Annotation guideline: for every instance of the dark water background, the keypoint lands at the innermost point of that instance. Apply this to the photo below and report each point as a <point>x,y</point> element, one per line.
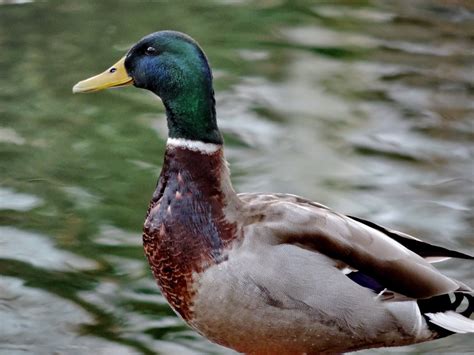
<point>365,106</point>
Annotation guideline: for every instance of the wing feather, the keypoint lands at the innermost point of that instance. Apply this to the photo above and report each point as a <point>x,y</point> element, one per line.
<point>420,247</point>
<point>379,253</point>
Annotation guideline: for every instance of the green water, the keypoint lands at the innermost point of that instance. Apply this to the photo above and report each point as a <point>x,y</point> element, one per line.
<point>365,106</point>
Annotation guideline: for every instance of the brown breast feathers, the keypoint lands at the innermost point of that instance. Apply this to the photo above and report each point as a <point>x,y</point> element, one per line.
<point>185,230</point>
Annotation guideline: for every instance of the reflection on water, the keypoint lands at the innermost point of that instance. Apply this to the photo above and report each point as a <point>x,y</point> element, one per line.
<point>364,106</point>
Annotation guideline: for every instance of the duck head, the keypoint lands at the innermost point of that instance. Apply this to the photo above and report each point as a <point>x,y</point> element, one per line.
<point>174,67</point>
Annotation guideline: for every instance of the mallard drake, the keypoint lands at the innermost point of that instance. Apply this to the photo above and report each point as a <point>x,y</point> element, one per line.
<point>272,273</point>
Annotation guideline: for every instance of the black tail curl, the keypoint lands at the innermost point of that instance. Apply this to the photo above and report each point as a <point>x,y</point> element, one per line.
<point>459,302</point>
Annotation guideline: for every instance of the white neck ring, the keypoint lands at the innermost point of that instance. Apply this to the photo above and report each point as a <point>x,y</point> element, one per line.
<point>196,146</point>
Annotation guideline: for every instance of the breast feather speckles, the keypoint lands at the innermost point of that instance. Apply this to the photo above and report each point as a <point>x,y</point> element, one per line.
<point>186,230</point>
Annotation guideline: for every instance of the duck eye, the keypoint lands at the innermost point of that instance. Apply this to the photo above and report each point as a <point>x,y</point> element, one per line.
<point>150,51</point>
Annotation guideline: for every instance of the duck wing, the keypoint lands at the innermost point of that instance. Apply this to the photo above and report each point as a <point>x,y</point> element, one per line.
<point>393,260</point>
<point>431,252</point>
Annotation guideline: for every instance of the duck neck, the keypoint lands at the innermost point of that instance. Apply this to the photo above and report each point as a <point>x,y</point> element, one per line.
<point>199,168</point>
<point>193,120</point>
<point>190,108</point>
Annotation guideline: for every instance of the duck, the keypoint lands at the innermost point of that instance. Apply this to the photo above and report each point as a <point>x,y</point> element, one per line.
<point>271,273</point>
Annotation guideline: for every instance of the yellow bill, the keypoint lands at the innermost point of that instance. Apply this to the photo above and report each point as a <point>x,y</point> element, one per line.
<point>113,77</point>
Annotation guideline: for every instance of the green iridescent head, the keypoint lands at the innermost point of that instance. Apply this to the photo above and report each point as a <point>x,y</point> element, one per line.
<point>174,67</point>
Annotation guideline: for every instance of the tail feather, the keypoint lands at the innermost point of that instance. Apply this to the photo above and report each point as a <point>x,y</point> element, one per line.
<point>449,313</point>
<point>452,321</point>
